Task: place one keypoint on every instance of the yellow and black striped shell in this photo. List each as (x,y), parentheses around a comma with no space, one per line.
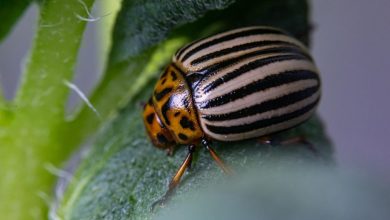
(236,85)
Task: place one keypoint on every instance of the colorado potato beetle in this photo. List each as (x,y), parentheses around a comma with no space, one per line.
(240,84)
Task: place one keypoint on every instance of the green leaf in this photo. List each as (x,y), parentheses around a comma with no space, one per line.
(123,174)
(10,12)
(141,24)
(2,98)
(144,23)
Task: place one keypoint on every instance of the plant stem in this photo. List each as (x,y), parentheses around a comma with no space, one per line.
(106,27)
(33,139)
(2,98)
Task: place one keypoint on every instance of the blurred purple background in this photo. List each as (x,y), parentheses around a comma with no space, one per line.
(351,47)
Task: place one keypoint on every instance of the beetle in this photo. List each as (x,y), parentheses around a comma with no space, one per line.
(244,83)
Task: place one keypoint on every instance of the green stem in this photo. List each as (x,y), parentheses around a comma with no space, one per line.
(106,27)
(33,140)
(85,121)
(53,58)
(2,98)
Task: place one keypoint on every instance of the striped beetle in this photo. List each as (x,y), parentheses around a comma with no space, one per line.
(240,84)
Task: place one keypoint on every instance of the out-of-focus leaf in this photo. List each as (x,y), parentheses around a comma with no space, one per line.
(10,12)
(142,24)
(279,190)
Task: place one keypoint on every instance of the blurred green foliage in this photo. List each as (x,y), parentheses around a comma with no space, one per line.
(286,190)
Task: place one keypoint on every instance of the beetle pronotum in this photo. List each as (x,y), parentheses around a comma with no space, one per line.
(240,84)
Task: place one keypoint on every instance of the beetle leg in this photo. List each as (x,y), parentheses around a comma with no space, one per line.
(289,141)
(179,173)
(300,140)
(226,169)
(266,140)
(170,150)
(177,177)
(189,164)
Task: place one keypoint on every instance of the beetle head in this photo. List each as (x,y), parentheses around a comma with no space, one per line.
(157,131)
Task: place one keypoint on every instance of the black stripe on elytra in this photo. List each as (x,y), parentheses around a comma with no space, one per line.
(251,66)
(150,118)
(177,69)
(223,130)
(216,67)
(232,36)
(267,82)
(164,110)
(269,105)
(186,103)
(239,48)
(164,92)
(183,49)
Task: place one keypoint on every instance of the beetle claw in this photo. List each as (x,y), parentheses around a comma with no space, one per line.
(170,151)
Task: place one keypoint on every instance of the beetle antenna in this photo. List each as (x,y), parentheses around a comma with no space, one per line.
(226,169)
